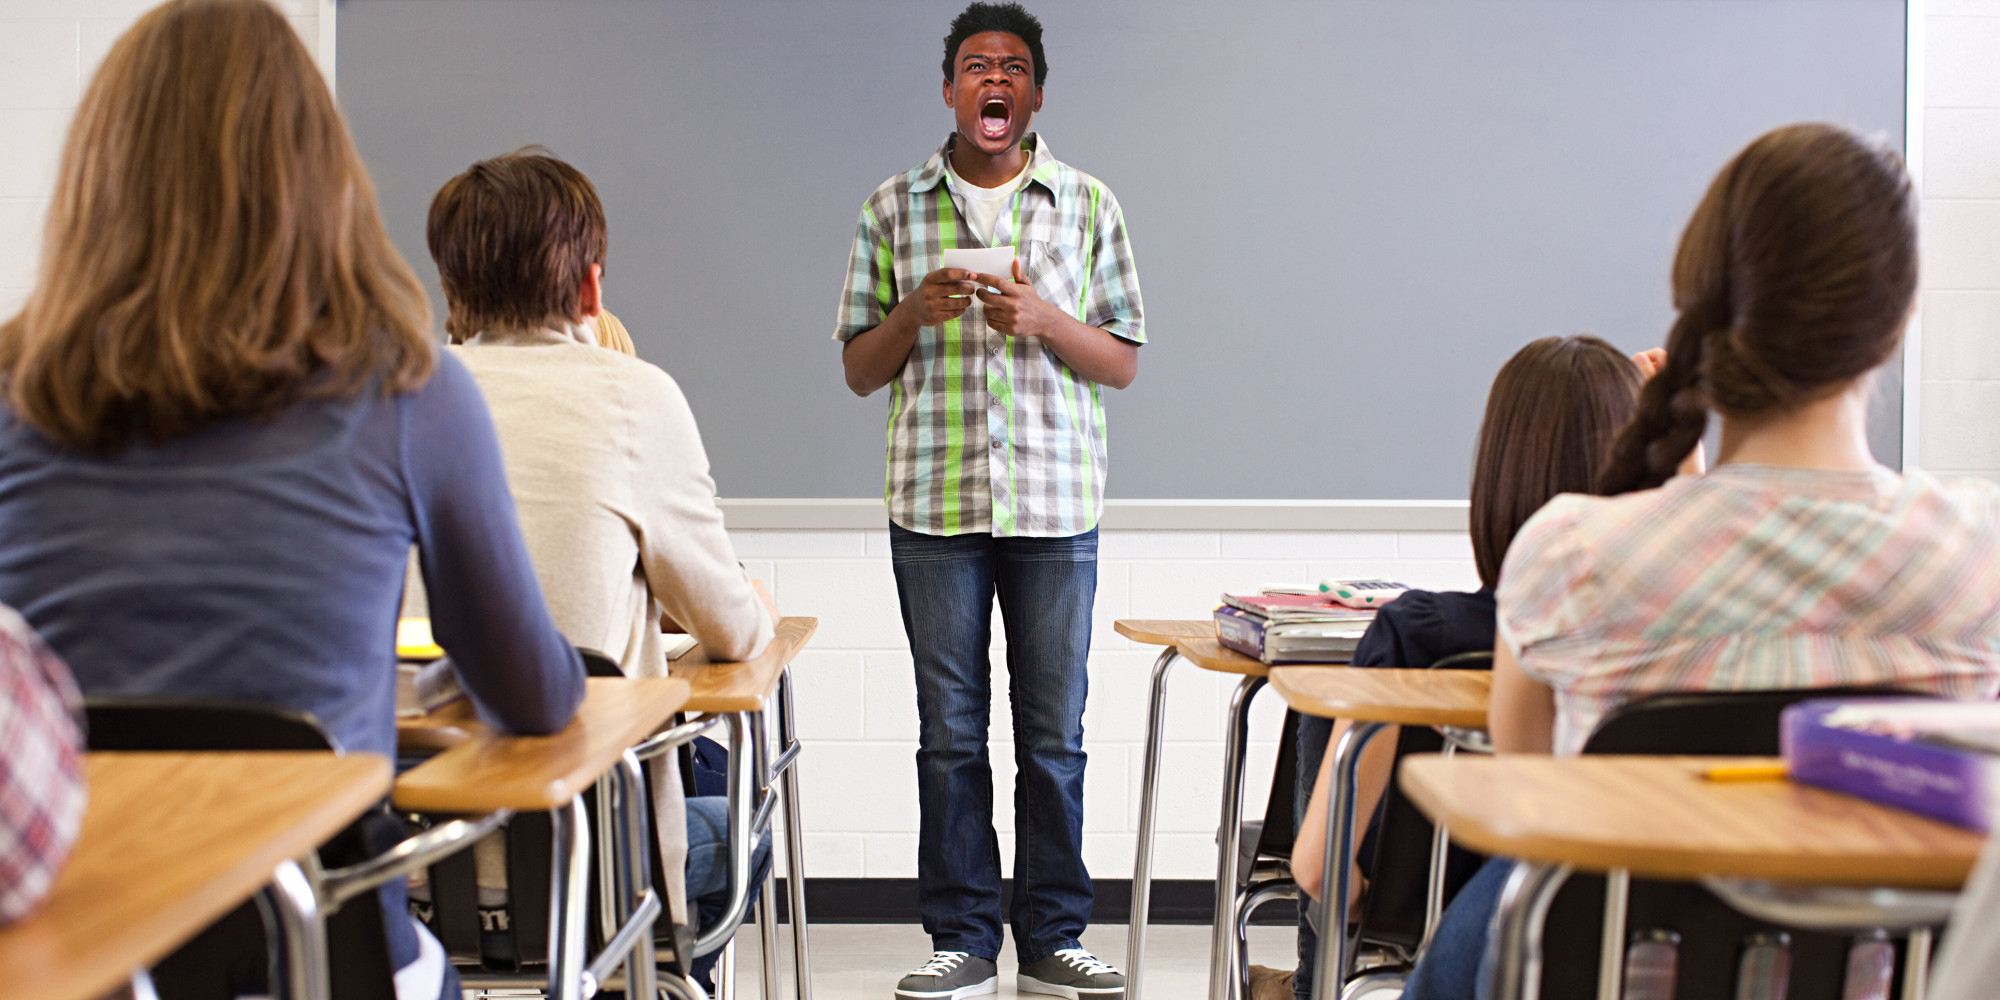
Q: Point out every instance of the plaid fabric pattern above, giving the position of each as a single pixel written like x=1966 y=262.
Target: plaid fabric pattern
x=1756 y=578
x=41 y=767
x=989 y=433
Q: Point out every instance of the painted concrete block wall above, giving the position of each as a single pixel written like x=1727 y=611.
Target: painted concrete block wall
x=48 y=50
x=1959 y=428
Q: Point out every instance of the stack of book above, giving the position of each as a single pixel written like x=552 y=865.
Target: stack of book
x=1290 y=628
x=1937 y=758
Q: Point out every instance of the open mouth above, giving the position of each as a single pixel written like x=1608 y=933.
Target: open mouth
x=994 y=117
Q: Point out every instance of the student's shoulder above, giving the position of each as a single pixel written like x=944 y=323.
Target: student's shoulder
x=1067 y=177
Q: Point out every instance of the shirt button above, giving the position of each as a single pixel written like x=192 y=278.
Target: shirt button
x=996 y=444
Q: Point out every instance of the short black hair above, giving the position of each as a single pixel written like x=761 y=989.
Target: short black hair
x=980 y=18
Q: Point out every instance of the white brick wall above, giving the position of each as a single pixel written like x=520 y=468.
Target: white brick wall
x=1960 y=305
x=48 y=49
x=857 y=698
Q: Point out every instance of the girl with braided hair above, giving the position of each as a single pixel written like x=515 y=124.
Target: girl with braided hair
x=1798 y=561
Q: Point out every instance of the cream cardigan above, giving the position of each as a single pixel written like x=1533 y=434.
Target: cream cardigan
x=615 y=500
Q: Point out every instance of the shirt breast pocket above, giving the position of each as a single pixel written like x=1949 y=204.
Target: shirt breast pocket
x=1055 y=268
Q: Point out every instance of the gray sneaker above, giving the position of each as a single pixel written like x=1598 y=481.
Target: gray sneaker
x=951 y=975
x=1072 y=973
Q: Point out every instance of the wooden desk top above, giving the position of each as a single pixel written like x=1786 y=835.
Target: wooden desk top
x=491 y=771
x=1404 y=697
x=1660 y=818
x=1208 y=654
x=171 y=841
x=1163 y=631
x=741 y=685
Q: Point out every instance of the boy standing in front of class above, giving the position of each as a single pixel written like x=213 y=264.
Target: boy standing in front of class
x=995 y=485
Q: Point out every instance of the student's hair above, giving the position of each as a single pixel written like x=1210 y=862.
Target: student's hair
x=514 y=238
x=980 y=18
x=611 y=334
x=1550 y=418
x=213 y=247
x=1794 y=278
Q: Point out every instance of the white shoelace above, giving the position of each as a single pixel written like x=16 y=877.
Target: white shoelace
x=1082 y=961
x=942 y=963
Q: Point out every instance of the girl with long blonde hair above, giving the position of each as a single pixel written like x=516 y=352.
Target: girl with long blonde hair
x=224 y=423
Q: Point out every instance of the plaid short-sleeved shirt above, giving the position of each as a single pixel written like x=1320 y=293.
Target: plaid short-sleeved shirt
x=990 y=433
x=41 y=767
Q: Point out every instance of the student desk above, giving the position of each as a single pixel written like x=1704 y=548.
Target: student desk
x=488 y=772
x=1232 y=901
x=1372 y=699
x=172 y=841
x=749 y=696
x=1604 y=814
x=1151 y=632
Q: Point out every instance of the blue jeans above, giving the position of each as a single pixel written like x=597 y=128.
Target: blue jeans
x=1046 y=587
x=1450 y=969
x=708 y=869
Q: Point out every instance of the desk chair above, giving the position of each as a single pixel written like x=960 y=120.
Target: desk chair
x=373 y=850
x=521 y=951
x=1587 y=928
x=1414 y=870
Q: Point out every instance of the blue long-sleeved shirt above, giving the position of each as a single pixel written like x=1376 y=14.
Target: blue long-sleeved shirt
x=264 y=560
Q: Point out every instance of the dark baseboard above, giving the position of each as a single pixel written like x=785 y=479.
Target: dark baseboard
x=894 y=901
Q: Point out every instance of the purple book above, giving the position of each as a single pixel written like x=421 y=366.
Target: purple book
x=1937 y=758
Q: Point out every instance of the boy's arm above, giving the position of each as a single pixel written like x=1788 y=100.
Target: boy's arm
x=874 y=357
x=877 y=327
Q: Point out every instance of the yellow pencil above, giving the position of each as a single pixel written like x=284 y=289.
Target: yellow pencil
x=1746 y=772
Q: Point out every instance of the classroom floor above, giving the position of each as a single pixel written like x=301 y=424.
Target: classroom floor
x=863 y=961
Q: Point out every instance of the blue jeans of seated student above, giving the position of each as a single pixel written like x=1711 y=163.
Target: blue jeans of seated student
x=708 y=870
x=1451 y=967
x=1046 y=588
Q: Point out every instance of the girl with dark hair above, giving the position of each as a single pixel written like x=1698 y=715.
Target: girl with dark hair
x=1549 y=422
x=1799 y=561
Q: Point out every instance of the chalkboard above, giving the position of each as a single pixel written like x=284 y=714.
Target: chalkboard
x=1355 y=207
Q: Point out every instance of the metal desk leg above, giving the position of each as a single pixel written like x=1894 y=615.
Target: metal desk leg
x=1222 y=983
x=1149 y=801
x=795 y=839
x=767 y=932
x=743 y=793
x=1917 y=964
x=1611 y=945
x=725 y=972
x=1335 y=961
x=1434 y=884
x=642 y=965
x=1514 y=971
x=300 y=961
x=568 y=895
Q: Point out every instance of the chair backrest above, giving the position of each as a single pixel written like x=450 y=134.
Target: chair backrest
x=1713 y=723
x=596 y=664
x=166 y=722
x=1712 y=934
x=230 y=955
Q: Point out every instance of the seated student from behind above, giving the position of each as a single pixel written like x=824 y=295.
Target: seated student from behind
x=1550 y=418
x=606 y=464
x=225 y=423
x=1799 y=561
x=41 y=767
x=603 y=456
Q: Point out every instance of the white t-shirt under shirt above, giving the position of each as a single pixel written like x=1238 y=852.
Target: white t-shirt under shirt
x=984 y=205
